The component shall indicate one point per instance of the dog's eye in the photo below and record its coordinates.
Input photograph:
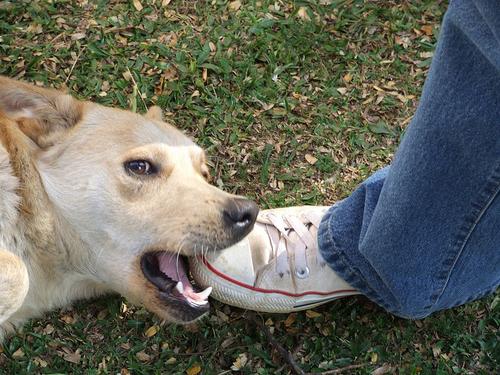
(140, 167)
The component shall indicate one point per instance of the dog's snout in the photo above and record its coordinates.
(240, 214)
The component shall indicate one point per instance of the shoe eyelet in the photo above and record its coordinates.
(302, 273)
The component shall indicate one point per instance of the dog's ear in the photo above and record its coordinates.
(40, 113)
(154, 113)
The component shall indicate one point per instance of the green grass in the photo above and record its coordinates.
(296, 103)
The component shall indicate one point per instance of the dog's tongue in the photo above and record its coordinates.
(172, 266)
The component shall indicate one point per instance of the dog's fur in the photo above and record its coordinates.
(73, 222)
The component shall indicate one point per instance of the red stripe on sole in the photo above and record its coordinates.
(255, 289)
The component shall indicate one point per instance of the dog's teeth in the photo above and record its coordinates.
(204, 295)
(179, 287)
(196, 303)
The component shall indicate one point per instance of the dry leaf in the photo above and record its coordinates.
(40, 362)
(382, 370)
(68, 319)
(164, 3)
(373, 357)
(436, 351)
(73, 357)
(427, 29)
(77, 36)
(34, 28)
(193, 370)
(312, 314)
(240, 362)
(137, 5)
(49, 328)
(426, 55)
(18, 354)
(128, 77)
(290, 320)
(347, 78)
(302, 14)
(151, 331)
(171, 361)
(212, 46)
(143, 356)
(310, 159)
(234, 5)
(342, 90)
(204, 74)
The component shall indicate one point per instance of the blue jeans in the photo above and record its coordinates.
(424, 234)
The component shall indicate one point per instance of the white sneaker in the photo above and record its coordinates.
(276, 268)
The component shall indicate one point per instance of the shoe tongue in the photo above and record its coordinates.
(237, 260)
(260, 240)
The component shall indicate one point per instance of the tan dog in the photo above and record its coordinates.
(96, 200)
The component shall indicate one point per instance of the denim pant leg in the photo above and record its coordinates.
(424, 234)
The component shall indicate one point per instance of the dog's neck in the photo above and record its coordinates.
(47, 236)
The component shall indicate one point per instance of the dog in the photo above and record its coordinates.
(97, 200)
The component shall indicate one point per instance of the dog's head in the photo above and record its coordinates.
(134, 190)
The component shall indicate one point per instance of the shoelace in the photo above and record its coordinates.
(296, 236)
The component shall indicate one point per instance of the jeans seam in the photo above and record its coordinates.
(486, 197)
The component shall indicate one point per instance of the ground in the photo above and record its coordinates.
(296, 103)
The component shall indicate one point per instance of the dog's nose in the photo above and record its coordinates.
(240, 214)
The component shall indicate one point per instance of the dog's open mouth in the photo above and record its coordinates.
(167, 271)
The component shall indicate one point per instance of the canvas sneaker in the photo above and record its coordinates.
(276, 268)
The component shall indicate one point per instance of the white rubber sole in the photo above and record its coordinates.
(235, 293)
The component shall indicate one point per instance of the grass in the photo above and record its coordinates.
(296, 103)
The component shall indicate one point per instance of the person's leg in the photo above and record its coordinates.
(424, 234)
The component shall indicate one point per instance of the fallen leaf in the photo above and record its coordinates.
(342, 90)
(436, 351)
(310, 159)
(240, 362)
(302, 14)
(347, 78)
(49, 328)
(164, 3)
(312, 314)
(77, 36)
(40, 362)
(193, 370)
(290, 320)
(373, 357)
(137, 5)
(68, 319)
(128, 77)
(73, 357)
(151, 331)
(171, 361)
(382, 370)
(143, 356)
(18, 354)
(234, 5)
(427, 29)
(34, 28)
